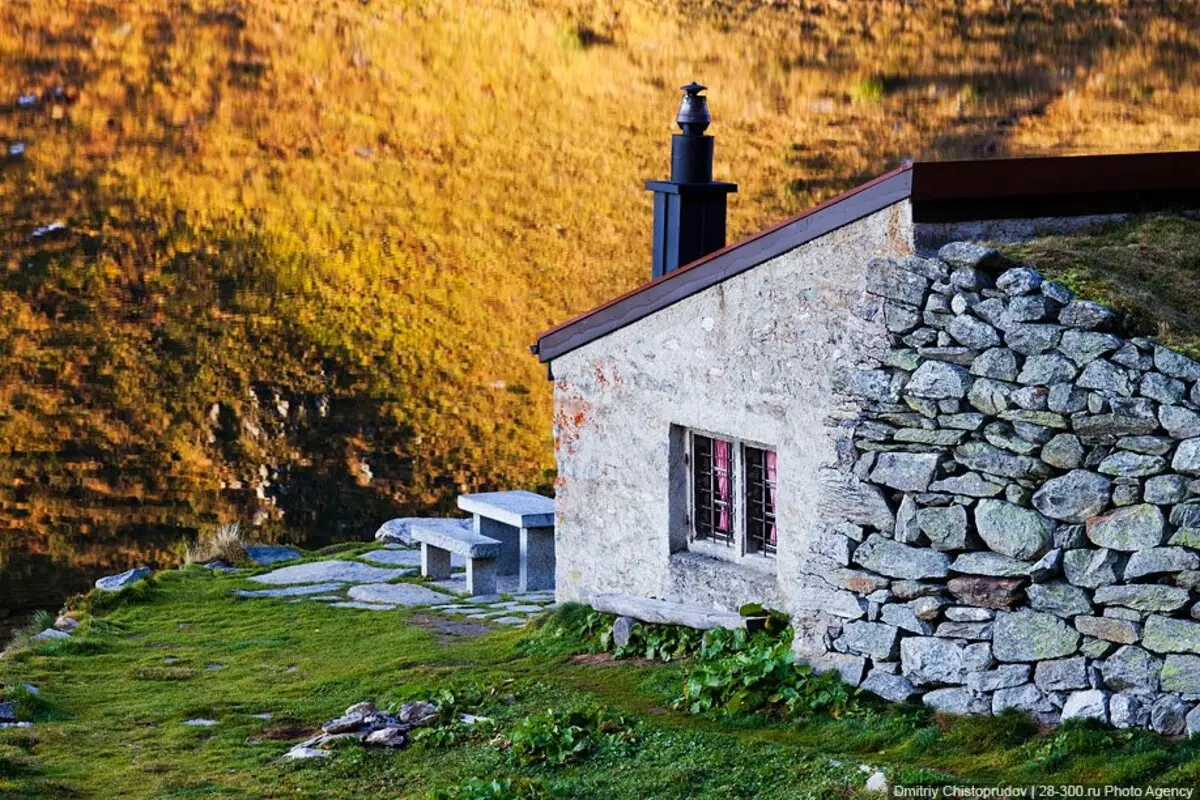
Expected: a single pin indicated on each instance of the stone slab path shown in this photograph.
(401, 594)
(335, 571)
(290, 591)
(405, 558)
(352, 584)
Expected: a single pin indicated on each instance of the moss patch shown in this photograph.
(1147, 267)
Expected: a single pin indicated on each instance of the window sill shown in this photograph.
(730, 555)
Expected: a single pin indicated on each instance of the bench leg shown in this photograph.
(435, 562)
(481, 576)
(510, 543)
(537, 559)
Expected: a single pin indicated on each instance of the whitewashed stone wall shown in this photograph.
(752, 358)
(1026, 509)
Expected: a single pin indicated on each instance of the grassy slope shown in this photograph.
(1148, 267)
(381, 203)
(110, 713)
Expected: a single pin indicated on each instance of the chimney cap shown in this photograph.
(693, 118)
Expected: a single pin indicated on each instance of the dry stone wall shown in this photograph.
(1015, 517)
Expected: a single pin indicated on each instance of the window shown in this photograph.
(760, 500)
(713, 488)
(733, 494)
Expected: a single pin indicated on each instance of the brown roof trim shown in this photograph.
(1058, 186)
(947, 191)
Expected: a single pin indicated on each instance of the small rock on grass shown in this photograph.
(300, 752)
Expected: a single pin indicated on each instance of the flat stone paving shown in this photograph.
(291, 591)
(402, 594)
(405, 558)
(351, 584)
(330, 572)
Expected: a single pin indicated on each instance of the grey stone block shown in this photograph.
(1032, 636)
(874, 639)
(953, 700)
(1061, 674)
(1005, 676)
(1168, 715)
(945, 527)
(1025, 697)
(1128, 529)
(904, 617)
(1087, 704)
(1159, 560)
(1074, 497)
(896, 560)
(1090, 568)
(1166, 635)
(114, 583)
(1059, 598)
(999, 363)
(1143, 597)
(1011, 530)
(930, 661)
(1181, 673)
(1128, 711)
(1176, 364)
(890, 687)
(1121, 631)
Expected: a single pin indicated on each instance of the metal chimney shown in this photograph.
(689, 209)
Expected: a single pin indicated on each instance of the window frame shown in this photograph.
(739, 543)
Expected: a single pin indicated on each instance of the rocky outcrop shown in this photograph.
(1040, 541)
(363, 722)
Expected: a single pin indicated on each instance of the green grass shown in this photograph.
(1147, 267)
(111, 709)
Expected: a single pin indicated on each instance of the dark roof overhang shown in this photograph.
(939, 191)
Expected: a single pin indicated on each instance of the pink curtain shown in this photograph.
(721, 452)
(771, 494)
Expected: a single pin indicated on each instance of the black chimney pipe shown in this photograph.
(689, 209)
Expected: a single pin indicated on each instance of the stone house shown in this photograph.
(957, 477)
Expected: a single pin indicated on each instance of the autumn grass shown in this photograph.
(226, 543)
(112, 701)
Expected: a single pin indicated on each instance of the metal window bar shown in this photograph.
(760, 501)
(712, 506)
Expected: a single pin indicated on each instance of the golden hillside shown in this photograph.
(308, 243)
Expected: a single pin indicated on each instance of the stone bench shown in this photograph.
(439, 538)
(524, 523)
